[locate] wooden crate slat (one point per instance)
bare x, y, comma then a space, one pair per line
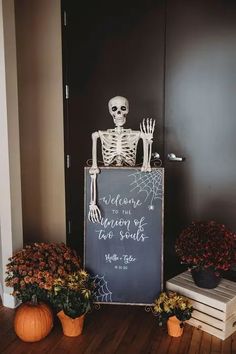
216, 292
228, 284
224, 284
207, 328
209, 310
212, 321
230, 324
231, 307
196, 294
224, 287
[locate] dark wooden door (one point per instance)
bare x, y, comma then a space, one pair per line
200, 115
176, 62
109, 49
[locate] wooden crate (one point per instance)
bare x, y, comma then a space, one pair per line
214, 309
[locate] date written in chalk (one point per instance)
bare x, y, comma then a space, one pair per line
121, 267
125, 258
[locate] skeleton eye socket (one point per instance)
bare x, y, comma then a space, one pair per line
114, 108
123, 108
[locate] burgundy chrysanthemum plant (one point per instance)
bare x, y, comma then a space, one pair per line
207, 244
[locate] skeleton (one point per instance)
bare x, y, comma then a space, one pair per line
119, 147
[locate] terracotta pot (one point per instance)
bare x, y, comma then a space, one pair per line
173, 326
72, 327
205, 278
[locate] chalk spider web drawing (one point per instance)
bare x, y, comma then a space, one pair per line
148, 182
102, 292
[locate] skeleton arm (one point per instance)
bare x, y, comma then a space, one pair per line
147, 128
94, 168
94, 214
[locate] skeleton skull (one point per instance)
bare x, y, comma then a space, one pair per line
118, 108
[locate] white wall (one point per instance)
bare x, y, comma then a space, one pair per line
39, 58
10, 182
31, 108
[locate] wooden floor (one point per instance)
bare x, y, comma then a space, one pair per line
115, 329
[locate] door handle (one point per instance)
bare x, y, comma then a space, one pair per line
173, 157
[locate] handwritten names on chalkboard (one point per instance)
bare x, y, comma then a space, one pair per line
124, 250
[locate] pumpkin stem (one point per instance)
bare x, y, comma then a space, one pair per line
34, 300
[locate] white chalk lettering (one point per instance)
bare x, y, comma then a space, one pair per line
111, 258
136, 236
140, 223
126, 212
105, 222
104, 236
118, 200
128, 259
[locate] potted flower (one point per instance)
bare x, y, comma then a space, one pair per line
31, 272
72, 296
173, 309
208, 248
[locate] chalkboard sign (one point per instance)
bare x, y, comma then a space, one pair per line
124, 251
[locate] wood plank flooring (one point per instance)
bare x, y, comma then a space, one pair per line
115, 329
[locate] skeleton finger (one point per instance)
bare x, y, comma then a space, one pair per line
90, 216
93, 217
148, 126
141, 129
99, 214
144, 127
150, 122
153, 125
96, 215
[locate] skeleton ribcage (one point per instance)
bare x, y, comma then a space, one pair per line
120, 148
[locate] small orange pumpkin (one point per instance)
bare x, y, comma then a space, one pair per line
33, 322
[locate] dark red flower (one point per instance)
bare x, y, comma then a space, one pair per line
207, 244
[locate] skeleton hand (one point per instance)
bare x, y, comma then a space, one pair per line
94, 214
147, 128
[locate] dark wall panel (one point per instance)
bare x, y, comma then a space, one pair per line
200, 120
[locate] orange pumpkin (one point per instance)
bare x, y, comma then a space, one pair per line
33, 322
